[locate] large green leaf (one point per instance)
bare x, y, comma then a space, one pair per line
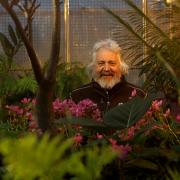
6, 45
87, 122
142, 163
126, 115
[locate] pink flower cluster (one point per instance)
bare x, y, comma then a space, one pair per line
156, 105
154, 114
85, 108
65, 108
122, 150
19, 116
129, 133
15, 109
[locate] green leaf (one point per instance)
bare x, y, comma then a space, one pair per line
7, 83
126, 115
31, 157
12, 35
142, 163
176, 148
81, 121
26, 83
6, 45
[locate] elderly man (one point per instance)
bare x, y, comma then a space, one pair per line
107, 69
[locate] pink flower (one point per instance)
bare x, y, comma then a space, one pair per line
87, 108
56, 104
99, 136
29, 115
25, 100
33, 125
157, 104
112, 141
149, 113
16, 109
34, 101
78, 138
133, 93
127, 135
122, 150
167, 113
178, 118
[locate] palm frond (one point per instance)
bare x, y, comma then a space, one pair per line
141, 42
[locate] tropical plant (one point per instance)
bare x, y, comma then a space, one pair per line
69, 77
31, 158
14, 84
10, 48
144, 140
146, 146
151, 46
45, 80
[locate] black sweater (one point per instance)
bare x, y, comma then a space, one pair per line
106, 98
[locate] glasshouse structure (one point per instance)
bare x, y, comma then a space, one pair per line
90, 89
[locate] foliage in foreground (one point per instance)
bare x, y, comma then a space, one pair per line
31, 158
146, 147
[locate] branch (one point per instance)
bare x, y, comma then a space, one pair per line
55, 48
28, 8
14, 2
30, 50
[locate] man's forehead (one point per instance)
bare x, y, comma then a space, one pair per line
107, 60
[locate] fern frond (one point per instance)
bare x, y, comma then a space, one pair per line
25, 84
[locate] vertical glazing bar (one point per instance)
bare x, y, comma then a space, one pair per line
66, 31
171, 22
144, 9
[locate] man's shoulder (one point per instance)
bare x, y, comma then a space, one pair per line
83, 92
83, 88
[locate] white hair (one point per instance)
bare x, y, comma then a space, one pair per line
108, 44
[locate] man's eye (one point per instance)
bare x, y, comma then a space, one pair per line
112, 63
100, 63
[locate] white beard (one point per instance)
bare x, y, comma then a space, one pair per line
107, 84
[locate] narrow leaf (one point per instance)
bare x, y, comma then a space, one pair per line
6, 45
12, 34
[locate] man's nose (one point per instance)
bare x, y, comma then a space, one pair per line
106, 67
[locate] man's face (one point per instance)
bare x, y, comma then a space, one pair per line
107, 68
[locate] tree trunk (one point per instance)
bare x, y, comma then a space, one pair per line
44, 110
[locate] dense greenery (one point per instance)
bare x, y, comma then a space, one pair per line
137, 140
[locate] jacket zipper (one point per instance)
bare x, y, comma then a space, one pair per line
108, 101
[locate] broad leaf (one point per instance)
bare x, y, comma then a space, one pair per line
81, 121
126, 115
